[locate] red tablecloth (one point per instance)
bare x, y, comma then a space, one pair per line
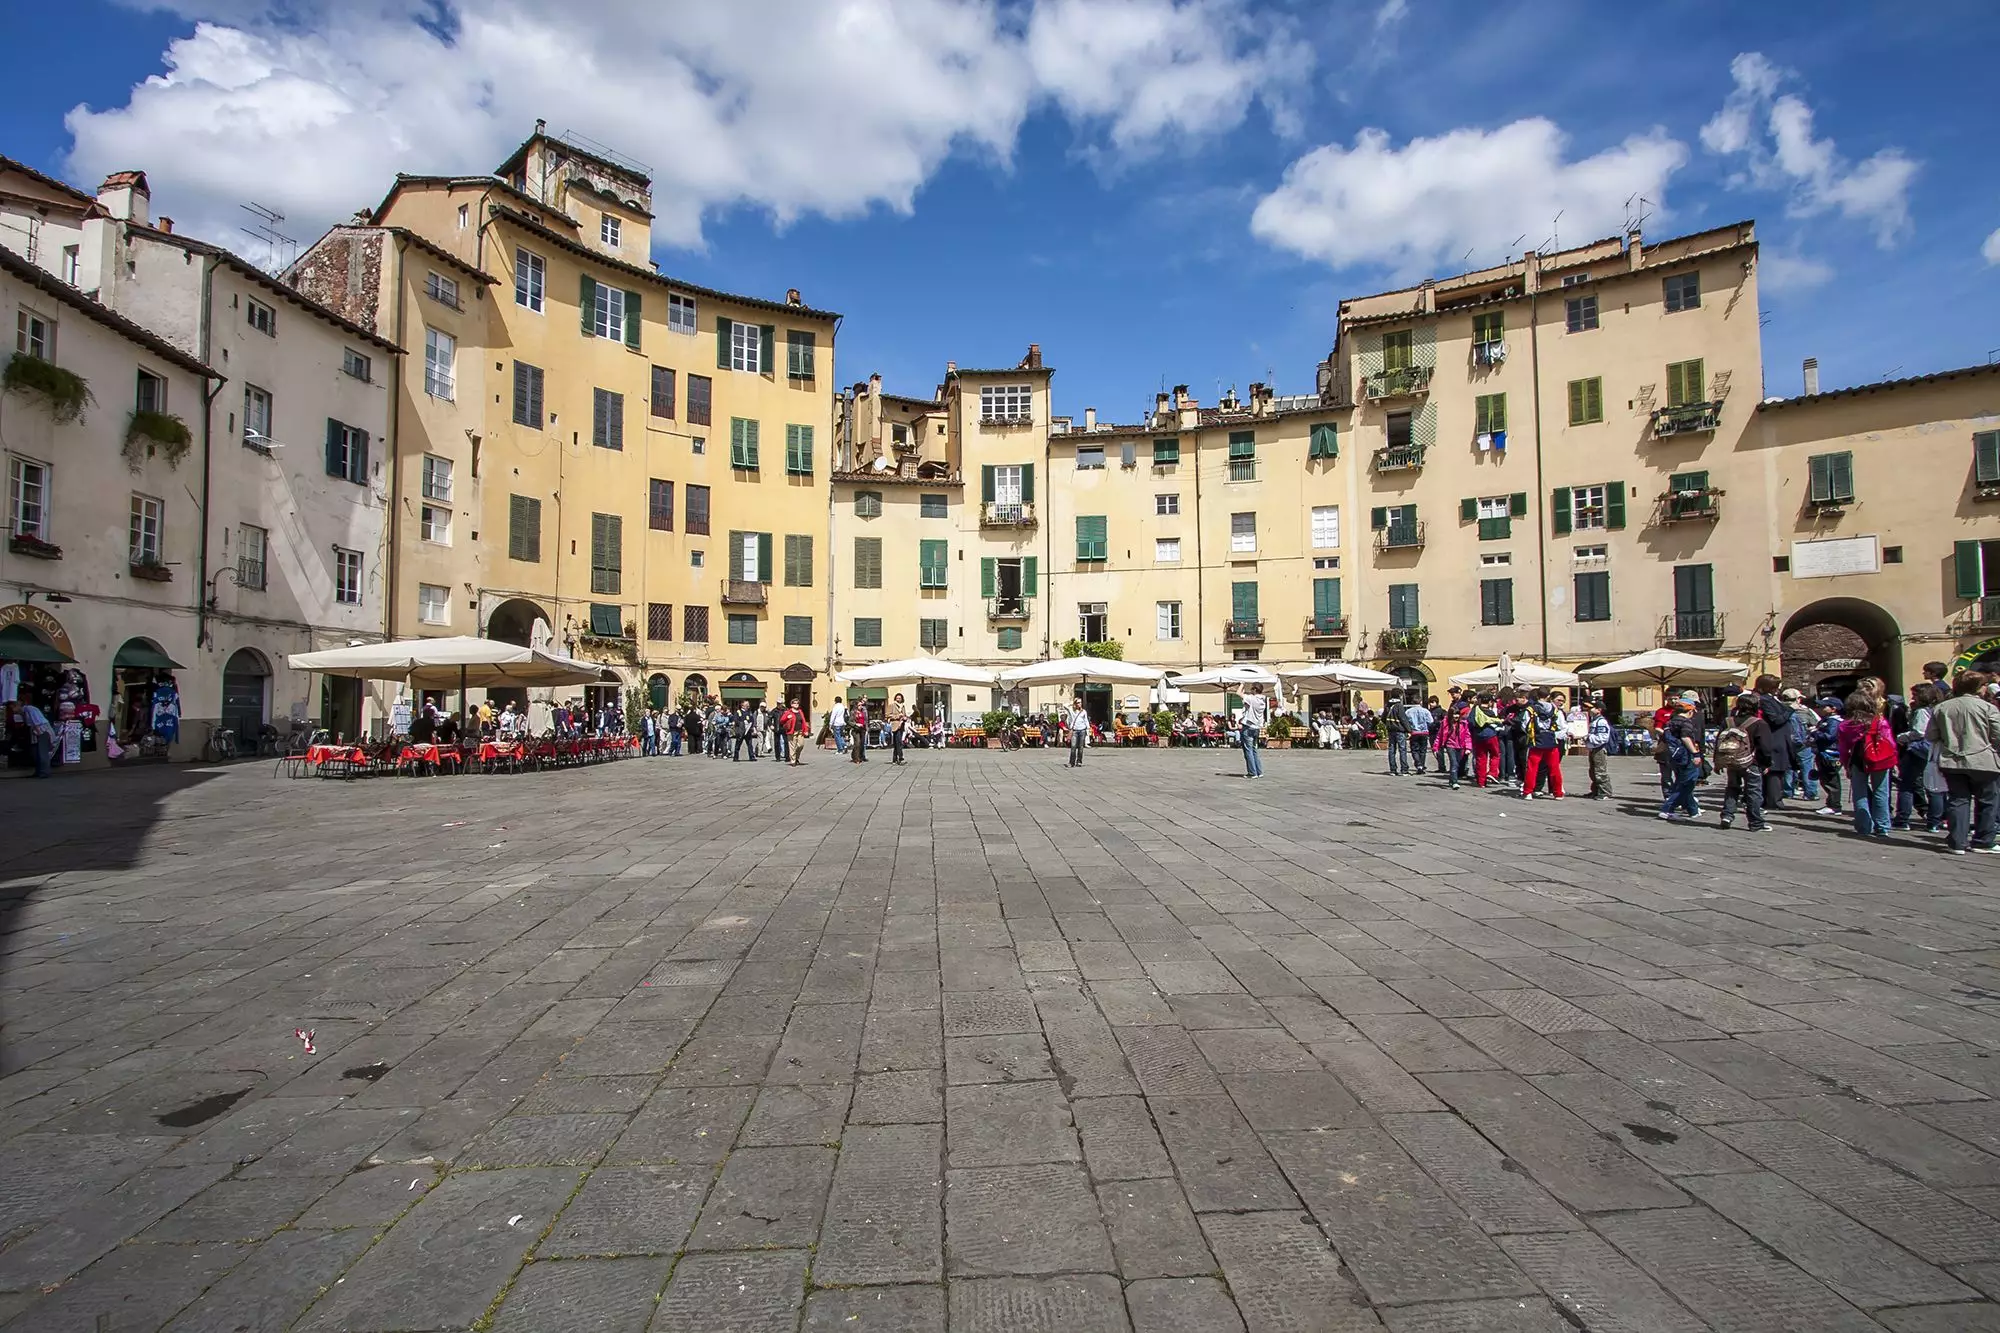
320, 754
418, 754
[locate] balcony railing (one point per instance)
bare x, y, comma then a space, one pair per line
1399, 457
996, 515
1400, 537
1687, 419
1243, 631
1982, 616
1015, 419
1326, 627
1399, 383
744, 592
1402, 642
1692, 627
1006, 608
1690, 506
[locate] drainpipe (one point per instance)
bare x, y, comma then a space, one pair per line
209, 390
395, 505
1541, 489
843, 445
1200, 569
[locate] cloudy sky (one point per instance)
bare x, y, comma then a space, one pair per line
1158, 191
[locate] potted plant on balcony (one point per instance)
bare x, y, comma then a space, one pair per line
65, 393
1278, 732
28, 544
150, 434
152, 570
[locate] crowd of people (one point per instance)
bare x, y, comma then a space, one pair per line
1506, 738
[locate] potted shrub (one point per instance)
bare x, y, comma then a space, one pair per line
991, 724
65, 393
155, 433
1278, 734
28, 544
1163, 727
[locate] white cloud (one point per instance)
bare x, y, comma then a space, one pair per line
827, 107
1782, 272
1419, 207
1390, 14
1773, 134
1990, 251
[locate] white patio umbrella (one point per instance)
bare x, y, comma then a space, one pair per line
1345, 675
1510, 672
1080, 671
1227, 678
1668, 669
917, 671
458, 659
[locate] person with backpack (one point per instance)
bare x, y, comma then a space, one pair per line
1822, 739
1736, 758
1486, 724
1868, 751
1964, 732
1913, 761
1454, 735
1678, 747
1547, 732
1396, 725
1597, 740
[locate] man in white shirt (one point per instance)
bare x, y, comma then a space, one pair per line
837, 720
41, 736
1250, 726
1079, 731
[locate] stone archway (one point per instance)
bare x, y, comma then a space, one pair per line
1837, 640
513, 621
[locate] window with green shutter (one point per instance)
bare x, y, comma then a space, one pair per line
1403, 612
867, 631
1093, 537
1976, 565
933, 635
798, 631
524, 529
868, 504
1325, 442
1586, 401
1009, 640
798, 450
1326, 605
607, 553
1166, 451
1986, 457
867, 562
1489, 413
800, 352
798, 560
1830, 478
1398, 349
607, 419
1243, 604
1559, 515
1030, 575
742, 628
1488, 328
933, 506
933, 562
1593, 595
1243, 455
1496, 601
743, 443
528, 382
607, 620
1684, 383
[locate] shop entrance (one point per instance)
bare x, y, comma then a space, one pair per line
340, 707
146, 700
246, 697
1831, 644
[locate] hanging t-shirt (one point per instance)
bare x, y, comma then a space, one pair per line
10, 682
167, 712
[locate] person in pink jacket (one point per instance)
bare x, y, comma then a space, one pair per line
1455, 738
1868, 751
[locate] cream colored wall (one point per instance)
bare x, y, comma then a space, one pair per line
980, 445
900, 602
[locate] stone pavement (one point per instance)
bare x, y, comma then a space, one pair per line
983, 1045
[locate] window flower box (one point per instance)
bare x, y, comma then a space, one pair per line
28, 544
152, 571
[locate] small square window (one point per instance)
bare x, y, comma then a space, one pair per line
433, 604
1683, 292
1581, 313
932, 506
1781, 564
1167, 504
1089, 458
260, 317
680, 313
1167, 550
355, 366
1892, 555
609, 230
694, 559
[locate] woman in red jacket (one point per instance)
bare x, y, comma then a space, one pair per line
1868, 751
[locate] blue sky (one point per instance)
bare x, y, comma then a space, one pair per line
1157, 191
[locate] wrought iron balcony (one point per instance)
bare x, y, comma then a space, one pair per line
1687, 419
996, 515
1399, 383
1243, 631
1399, 457
1691, 627
1415, 639
1326, 627
744, 592
1982, 617
1702, 506
1400, 537
1006, 608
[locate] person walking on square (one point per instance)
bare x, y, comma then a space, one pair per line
1547, 733
1964, 732
1598, 741
1680, 742
1736, 751
1077, 721
1250, 730
792, 727
1396, 726
836, 720
899, 717
1868, 749
1454, 737
1487, 725
744, 724
857, 722
1420, 720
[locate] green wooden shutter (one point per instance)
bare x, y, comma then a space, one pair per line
933, 562
336, 449
735, 557
722, 343
1027, 483
1986, 457
524, 520
1423, 426
1966, 560
1517, 504
1378, 518
1614, 505
1842, 475
1577, 402
1326, 599
1820, 478
1325, 441
1594, 399
1468, 509
1559, 511
987, 575
1031, 575
1242, 601
1092, 539
750, 433
986, 484
587, 301
632, 320
763, 557
768, 359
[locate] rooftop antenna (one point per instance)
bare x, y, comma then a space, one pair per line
1516, 241
1466, 257
1555, 229
280, 250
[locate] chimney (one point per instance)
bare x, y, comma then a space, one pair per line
875, 385
1180, 395
951, 368
1812, 376
1090, 418
792, 297
540, 125
1159, 409
1634, 249
125, 196
167, 226
1034, 361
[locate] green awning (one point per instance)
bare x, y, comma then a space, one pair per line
880, 692
731, 693
19, 644
139, 653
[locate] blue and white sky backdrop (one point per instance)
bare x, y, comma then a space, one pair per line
1157, 191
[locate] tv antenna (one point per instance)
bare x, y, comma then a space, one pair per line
1635, 219
280, 250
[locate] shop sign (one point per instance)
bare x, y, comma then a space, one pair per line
1842, 664
1835, 556
1984, 648
798, 673
44, 625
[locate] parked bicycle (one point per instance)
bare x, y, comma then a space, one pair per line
220, 745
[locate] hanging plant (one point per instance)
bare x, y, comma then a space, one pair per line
66, 392
150, 433
1109, 649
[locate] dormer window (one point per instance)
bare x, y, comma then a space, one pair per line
608, 230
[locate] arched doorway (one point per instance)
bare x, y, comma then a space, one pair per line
1416, 681
1832, 643
658, 690
516, 620
145, 697
246, 697
696, 685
